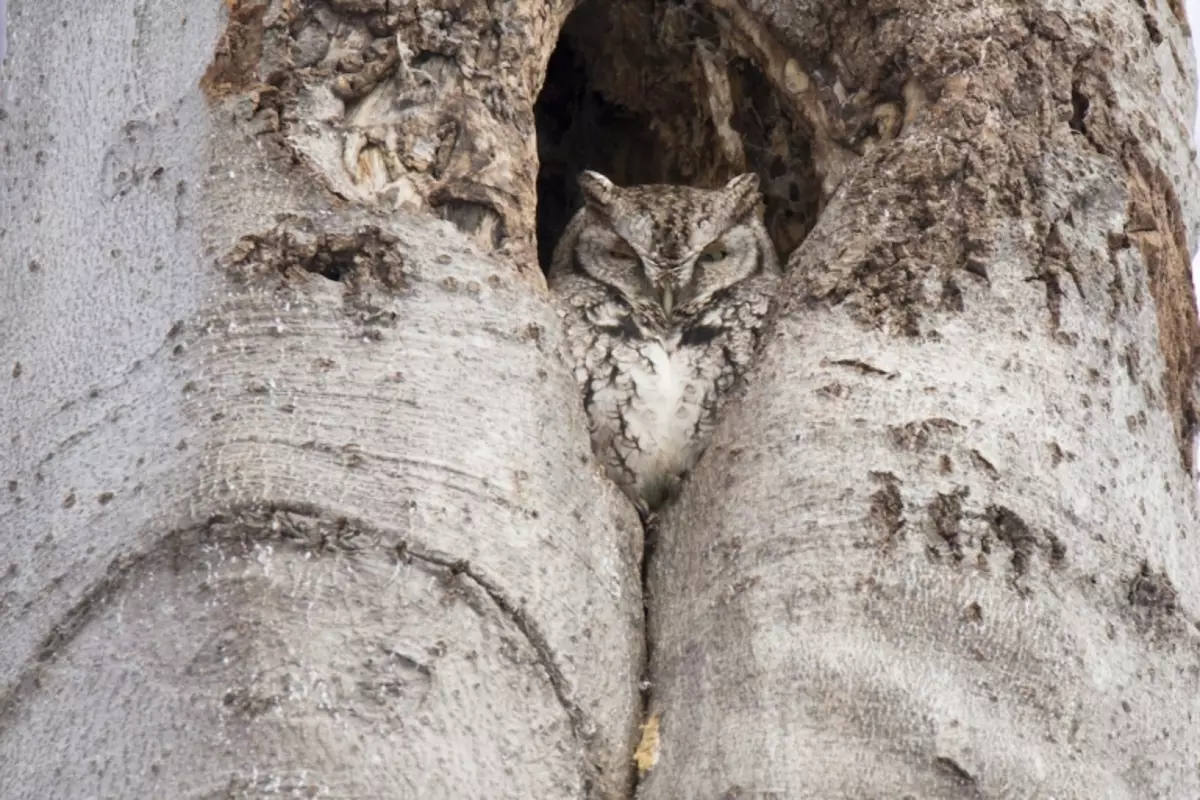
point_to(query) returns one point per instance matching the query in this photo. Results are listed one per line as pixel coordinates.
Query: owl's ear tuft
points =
(597, 189)
(742, 193)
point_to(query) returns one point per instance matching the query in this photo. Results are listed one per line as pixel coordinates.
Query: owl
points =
(663, 291)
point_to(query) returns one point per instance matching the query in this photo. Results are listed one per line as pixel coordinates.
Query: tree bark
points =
(299, 490)
(299, 496)
(946, 544)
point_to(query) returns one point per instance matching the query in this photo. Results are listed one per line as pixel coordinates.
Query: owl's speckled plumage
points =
(664, 290)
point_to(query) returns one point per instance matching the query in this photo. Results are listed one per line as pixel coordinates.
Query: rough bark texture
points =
(299, 497)
(946, 545)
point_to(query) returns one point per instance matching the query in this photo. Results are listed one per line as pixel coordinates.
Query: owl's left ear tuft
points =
(597, 189)
(742, 193)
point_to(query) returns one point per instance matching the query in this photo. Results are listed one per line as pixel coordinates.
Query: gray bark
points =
(946, 545)
(299, 496)
(265, 531)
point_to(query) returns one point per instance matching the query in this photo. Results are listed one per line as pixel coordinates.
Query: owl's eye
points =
(621, 253)
(713, 255)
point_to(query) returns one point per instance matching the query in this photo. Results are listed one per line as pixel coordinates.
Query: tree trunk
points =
(299, 495)
(299, 498)
(947, 544)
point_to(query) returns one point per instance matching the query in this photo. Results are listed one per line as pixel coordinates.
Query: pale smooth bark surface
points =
(267, 531)
(298, 492)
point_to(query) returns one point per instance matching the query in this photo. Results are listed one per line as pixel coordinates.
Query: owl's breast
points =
(670, 388)
(665, 409)
(651, 392)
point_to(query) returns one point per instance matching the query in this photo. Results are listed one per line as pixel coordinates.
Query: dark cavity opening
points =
(664, 91)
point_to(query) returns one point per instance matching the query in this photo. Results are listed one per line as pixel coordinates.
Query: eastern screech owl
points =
(663, 290)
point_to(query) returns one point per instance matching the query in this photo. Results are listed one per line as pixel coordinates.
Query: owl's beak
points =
(668, 300)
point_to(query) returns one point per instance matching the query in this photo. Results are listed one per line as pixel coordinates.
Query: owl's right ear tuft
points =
(743, 194)
(597, 189)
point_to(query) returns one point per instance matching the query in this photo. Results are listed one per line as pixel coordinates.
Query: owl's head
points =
(668, 249)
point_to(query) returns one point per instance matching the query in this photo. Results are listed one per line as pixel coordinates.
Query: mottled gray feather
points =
(663, 291)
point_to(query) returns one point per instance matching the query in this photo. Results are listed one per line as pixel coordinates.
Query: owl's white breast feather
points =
(665, 409)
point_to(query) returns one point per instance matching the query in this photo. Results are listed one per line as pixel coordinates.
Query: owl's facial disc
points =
(669, 249)
(732, 257)
(607, 257)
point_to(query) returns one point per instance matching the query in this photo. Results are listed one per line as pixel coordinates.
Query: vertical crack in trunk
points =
(646, 755)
